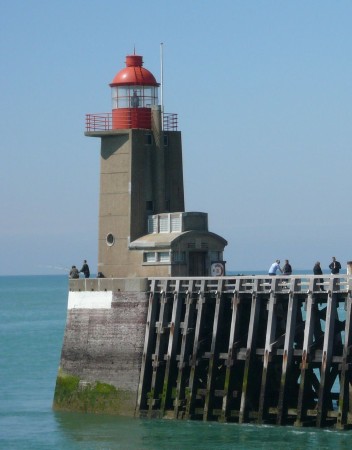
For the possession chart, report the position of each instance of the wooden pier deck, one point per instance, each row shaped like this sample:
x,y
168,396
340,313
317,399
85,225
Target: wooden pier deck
x,y
249,349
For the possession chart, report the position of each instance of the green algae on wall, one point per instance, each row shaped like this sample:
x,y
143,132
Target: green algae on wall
x,y
74,394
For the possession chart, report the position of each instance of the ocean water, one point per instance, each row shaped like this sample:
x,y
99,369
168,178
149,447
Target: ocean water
x,y
32,323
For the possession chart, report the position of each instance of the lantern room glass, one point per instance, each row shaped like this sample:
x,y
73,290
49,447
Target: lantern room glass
x,y
134,96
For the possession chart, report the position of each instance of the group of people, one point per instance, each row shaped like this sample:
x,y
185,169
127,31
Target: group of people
x,y
334,267
74,272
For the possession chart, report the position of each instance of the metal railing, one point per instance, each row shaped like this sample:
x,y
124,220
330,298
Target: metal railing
x,y
243,284
99,122
103,122
170,121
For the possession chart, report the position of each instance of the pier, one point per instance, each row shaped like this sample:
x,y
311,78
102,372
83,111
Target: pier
x,y
244,349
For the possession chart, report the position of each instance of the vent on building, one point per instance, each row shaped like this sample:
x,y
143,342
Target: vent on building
x,y
175,223
152,225
164,224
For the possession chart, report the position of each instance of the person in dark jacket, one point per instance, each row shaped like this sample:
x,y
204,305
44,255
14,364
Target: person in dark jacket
x,y
85,269
334,266
287,269
317,271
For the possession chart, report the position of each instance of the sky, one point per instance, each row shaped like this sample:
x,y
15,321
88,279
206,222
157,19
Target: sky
x,y
263,93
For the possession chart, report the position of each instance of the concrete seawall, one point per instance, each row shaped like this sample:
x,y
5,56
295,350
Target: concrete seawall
x,y
103,344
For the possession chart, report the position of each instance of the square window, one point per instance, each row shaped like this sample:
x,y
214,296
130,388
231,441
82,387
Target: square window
x,y
164,256
149,257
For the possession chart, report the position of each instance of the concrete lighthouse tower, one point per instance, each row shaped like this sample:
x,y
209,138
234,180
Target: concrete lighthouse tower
x,y
143,227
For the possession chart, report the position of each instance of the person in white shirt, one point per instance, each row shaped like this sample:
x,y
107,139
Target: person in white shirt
x,y
275,267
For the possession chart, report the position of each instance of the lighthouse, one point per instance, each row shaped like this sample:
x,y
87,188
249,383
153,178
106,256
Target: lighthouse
x,y
144,230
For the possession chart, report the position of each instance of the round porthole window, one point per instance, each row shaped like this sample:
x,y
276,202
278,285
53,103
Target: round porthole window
x,y
110,240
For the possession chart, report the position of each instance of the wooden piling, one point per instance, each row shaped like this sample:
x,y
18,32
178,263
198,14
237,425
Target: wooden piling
x,y
251,345
190,390
213,357
231,353
183,359
344,403
287,355
305,366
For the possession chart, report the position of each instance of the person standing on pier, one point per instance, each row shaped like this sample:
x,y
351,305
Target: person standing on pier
x,y
85,269
334,266
275,267
317,271
74,272
287,269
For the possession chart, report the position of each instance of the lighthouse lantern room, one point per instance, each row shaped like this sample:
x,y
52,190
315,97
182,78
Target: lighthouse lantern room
x,y
134,92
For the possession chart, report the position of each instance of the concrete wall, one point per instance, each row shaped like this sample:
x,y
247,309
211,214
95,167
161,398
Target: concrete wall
x,y
102,349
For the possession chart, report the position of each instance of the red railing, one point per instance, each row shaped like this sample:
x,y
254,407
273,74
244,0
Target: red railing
x,y
99,122
103,122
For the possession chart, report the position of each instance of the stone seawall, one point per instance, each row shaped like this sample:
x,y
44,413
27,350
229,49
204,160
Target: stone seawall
x,y
103,346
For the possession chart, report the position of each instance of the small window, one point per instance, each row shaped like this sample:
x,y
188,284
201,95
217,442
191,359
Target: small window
x,y
149,257
179,257
176,223
166,140
110,239
152,225
149,205
215,256
164,224
148,139
164,256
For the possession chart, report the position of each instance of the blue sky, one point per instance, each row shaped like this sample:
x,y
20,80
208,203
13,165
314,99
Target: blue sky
x,y
263,91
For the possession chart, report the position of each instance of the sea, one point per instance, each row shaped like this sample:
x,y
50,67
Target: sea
x,y
32,324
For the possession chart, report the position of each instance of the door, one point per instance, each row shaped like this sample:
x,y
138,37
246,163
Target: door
x,y
197,264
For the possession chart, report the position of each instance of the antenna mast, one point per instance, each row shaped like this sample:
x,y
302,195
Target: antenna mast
x,y
162,85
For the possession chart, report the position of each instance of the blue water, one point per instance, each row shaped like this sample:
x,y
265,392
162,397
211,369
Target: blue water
x,y
32,323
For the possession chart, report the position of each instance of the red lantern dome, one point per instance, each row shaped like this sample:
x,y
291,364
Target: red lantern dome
x,y
134,73
134,92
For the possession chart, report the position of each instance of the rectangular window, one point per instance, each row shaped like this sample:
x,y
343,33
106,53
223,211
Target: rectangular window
x,y
164,256
215,256
148,139
176,223
166,140
149,257
179,257
152,224
164,224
